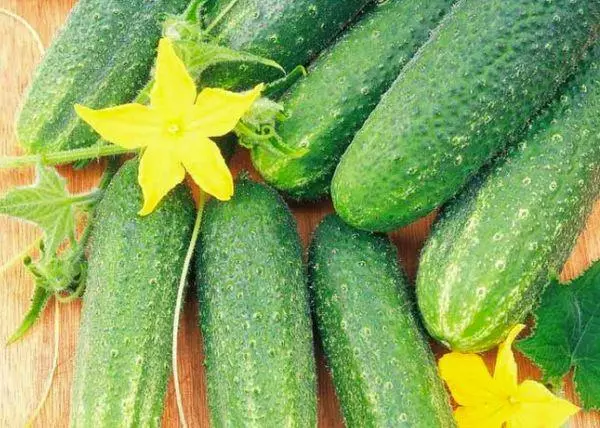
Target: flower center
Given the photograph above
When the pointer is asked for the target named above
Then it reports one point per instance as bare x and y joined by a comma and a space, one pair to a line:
512, 400
174, 128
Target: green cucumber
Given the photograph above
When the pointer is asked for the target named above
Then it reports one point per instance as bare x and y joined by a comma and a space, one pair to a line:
383, 370
345, 84
102, 57
254, 313
124, 349
469, 92
290, 32
497, 245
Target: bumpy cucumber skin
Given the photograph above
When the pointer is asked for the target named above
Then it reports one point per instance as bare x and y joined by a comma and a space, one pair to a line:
124, 348
468, 92
383, 370
345, 84
496, 247
254, 313
290, 32
102, 57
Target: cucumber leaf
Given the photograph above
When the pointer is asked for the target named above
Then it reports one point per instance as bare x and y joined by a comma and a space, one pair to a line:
567, 335
46, 203
59, 269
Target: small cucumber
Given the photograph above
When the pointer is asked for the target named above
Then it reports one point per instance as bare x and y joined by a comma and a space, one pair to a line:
499, 243
344, 85
124, 348
468, 92
290, 32
102, 57
254, 313
383, 370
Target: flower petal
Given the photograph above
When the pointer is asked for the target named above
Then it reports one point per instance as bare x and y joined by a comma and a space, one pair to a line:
539, 408
484, 416
202, 158
130, 125
174, 90
217, 111
505, 372
469, 380
160, 171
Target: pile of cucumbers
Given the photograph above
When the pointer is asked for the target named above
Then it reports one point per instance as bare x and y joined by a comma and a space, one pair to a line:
490, 113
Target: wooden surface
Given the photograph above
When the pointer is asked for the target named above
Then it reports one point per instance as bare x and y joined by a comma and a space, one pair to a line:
25, 365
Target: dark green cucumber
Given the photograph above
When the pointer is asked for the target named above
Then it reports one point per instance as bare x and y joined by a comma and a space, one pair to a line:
345, 84
496, 247
102, 57
290, 32
254, 313
471, 90
124, 348
383, 370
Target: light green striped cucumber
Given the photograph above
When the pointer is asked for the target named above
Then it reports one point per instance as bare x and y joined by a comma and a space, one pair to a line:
383, 370
124, 348
254, 313
469, 92
496, 247
102, 57
345, 84
290, 32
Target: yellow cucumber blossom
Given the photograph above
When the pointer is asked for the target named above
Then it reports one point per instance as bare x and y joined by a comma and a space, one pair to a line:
498, 401
175, 130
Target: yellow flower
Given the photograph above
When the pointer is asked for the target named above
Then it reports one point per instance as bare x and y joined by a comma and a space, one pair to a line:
491, 402
175, 130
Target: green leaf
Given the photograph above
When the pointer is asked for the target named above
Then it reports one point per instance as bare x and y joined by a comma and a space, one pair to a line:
567, 335
46, 203
38, 303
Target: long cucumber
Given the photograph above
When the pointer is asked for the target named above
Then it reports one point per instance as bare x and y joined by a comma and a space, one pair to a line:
254, 313
383, 370
470, 91
497, 246
344, 85
124, 349
102, 57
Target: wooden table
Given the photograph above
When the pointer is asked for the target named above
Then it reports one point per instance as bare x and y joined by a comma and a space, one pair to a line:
25, 365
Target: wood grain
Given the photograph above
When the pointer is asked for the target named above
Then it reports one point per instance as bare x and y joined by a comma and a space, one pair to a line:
24, 366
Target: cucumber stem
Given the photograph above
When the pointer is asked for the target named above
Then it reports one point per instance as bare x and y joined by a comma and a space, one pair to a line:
64, 157
220, 17
50, 378
179, 304
191, 12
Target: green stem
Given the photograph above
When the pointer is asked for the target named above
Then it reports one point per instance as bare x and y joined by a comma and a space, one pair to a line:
64, 157
191, 12
179, 304
220, 17
52, 373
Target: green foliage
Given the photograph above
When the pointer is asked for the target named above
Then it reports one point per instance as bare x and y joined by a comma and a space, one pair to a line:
59, 268
567, 335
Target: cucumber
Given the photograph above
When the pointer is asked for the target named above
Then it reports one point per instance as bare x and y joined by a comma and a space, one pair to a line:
254, 313
102, 57
469, 92
383, 370
345, 84
123, 353
497, 245
290, 32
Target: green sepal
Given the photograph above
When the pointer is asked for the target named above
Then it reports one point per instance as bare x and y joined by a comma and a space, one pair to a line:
38, 303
